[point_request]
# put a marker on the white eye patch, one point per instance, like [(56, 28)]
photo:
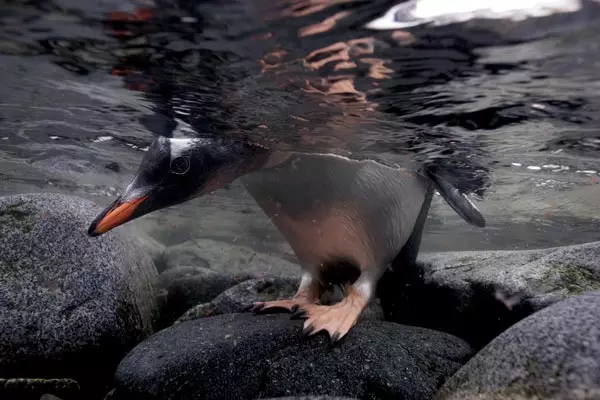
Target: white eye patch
[(179, 146)]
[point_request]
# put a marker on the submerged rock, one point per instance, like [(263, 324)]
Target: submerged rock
[(184, 287), (552, 354), (238, 297), (225, 257), (477, 295), (70, 306), (150, 245), (243, 356)]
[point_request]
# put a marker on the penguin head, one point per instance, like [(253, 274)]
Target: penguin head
[(175, 170)]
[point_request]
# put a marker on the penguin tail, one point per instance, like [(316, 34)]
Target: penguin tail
[(459, 201)]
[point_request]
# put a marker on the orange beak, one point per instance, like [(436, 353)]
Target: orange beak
[(114, 215)]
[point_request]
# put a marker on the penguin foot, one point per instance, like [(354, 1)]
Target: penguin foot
[(289, 305), (336, 320)]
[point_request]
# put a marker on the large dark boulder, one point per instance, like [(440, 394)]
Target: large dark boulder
[(552, 354), (71, 306), (477, 295), (243, 356)]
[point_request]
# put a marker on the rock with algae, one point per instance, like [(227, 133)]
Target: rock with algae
[(477, 295), (553, 354)]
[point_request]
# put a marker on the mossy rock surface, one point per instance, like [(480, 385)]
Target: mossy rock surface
[(477, 295)]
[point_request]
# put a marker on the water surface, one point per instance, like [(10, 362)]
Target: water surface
[(86, 86)]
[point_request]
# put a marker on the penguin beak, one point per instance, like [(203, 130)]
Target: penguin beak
[(118, 213)]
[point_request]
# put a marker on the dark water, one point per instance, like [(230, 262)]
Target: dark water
[(85, 86)]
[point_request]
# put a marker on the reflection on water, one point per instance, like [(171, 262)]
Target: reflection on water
[(86, 87)]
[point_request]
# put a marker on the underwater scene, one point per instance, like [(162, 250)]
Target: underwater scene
[(299, 199)]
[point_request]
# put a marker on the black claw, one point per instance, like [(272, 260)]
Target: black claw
[(335, 338), (298, 314), (294, 308), (255, 307), (307, 330), (247, 308)]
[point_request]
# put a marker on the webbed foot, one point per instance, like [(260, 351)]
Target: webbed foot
[(337, 319)]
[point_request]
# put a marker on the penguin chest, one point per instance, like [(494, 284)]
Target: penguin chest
[(331, 209), (324, 234)]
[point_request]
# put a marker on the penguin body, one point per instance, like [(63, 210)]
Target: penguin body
[(331, 208), (345, 219)]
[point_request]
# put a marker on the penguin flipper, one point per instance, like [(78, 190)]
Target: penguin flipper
[(457, 200)]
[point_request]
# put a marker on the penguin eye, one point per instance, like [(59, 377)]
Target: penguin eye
[(180, 165)]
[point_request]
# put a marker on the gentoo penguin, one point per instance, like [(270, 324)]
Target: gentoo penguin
[(345, 219)]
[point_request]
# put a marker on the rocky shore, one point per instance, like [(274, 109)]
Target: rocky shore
[(124, 317)]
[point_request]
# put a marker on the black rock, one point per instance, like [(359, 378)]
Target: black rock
[(184, 287), (113, 166), (552, 354), (39, 389), (477, 295), (71, 306), (237, 298), (245, 356), (311, 398)]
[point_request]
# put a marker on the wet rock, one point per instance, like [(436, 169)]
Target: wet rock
[(48, 396), (181, 288), (113, 166), (34, 389), (226, 257), (243, 356), (238, 297), (552, 354), (70, 306), (311, 398), (478, 295)]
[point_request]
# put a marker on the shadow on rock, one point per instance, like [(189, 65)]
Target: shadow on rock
[(552, 354), (472, 313), (478, 295)]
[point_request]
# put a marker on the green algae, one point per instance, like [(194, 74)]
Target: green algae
[(15, 216), (576, 279)]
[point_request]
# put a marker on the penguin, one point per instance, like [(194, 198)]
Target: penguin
[(345, 219)]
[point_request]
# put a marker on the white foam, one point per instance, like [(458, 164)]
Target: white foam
[(443, 12), (102, 139)]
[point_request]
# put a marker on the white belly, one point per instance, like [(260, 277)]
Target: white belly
[(330, 207)]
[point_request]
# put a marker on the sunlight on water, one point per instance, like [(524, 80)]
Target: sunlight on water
[(190, 161)]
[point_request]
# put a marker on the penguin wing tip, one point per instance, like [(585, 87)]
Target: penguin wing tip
[(478, 221), (460, 202)]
